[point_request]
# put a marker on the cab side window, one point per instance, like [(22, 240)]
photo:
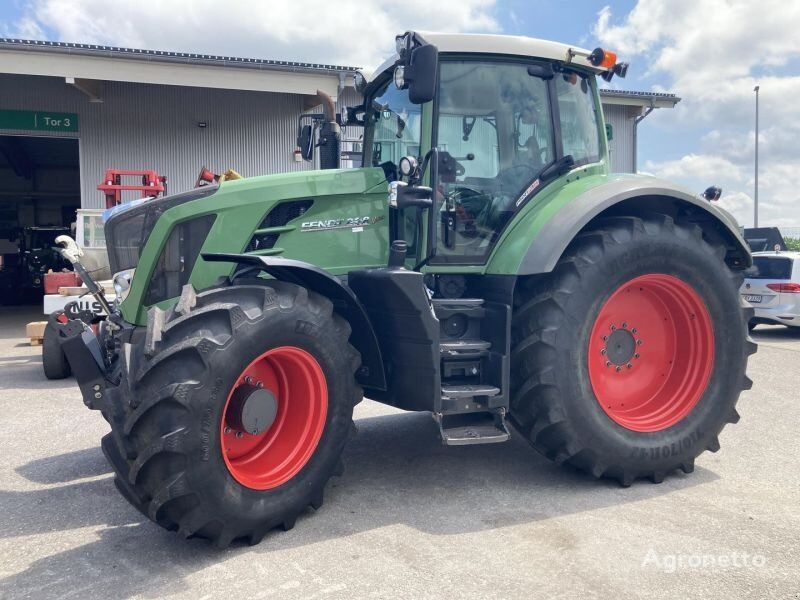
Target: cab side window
[(578, 118)]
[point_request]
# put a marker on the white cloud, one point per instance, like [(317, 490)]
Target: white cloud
[(779, 197), (713, 52), (349, 32), (697, 167)]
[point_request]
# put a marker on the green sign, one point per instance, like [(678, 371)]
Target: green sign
[(38, 120)]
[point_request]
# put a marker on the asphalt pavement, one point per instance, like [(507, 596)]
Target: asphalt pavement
[(411, 518)]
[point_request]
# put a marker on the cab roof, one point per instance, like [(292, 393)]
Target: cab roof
[(483, 43)]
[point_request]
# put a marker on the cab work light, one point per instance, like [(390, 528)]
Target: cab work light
[(601, 59), (605, 59)]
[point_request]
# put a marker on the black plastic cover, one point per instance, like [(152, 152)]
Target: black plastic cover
[(177, 259), (127, 231)]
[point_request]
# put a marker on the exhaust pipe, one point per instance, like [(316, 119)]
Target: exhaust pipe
[(330, 134)]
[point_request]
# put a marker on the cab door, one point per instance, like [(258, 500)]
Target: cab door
[(493, 130)]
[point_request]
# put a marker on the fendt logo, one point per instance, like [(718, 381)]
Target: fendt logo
[(356, 223)]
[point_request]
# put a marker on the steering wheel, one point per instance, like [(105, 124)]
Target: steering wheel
[(521, 172)]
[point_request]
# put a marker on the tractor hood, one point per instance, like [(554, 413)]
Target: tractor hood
[(334, 219), (313, 183)]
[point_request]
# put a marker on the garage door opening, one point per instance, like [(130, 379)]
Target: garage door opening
[(39, 194)]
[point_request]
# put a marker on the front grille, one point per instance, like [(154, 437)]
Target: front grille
[(279, 216)]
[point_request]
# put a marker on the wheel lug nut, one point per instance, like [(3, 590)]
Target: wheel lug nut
[(618, 369), (227, 429), (239, 434), (638, 342), (248, 380), (605, 338), (630, 366), (613, 328), (608, 363), (624, 325), (603, 351), (633, 330), (636, 355), (260, 384)]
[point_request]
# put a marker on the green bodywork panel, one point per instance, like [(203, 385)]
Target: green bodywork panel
[(535, 215), (241, 205)]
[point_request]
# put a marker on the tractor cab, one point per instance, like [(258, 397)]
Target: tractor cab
[(486, 130)]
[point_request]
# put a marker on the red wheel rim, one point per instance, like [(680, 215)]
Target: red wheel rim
[(651, 352), (271, 457)]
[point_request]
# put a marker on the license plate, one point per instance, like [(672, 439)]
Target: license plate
[(755, 299)]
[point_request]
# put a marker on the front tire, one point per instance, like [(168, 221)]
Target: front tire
[(237, 413), (628, 359), (54, 361)]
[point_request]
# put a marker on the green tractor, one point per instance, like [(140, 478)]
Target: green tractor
[(482, 265)]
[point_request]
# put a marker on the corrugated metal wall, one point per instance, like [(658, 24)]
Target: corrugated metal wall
[(141, 126), (621, 147), (155, 127)]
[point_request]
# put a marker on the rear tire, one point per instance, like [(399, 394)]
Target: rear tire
[(557, 385), (54, 361), (170, 442)]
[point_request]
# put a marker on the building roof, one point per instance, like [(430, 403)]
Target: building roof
[(111, 63), (168, 56), (633, 98)]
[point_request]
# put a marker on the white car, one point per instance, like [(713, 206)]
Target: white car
[(772, 287)]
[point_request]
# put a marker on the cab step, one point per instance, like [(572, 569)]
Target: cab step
[(471, 398), (473, 428), (462, 348), (454, 392), (445, 308)]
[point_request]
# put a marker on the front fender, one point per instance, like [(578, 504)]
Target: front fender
[(540, 237), (345, 302)]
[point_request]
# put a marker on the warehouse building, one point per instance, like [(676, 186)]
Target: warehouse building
[(69, 111)]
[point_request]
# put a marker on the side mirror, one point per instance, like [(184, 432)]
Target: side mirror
[(420, 74), (305, 141)]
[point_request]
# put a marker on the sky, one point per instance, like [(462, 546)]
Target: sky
[(711, 53)]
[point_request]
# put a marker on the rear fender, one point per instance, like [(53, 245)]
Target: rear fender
[(345, 302), (629, 195)]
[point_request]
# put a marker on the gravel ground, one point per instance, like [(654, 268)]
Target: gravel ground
[(411, 518)]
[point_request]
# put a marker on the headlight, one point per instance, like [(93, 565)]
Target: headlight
[(408, 166), (394, 191), (122, 283), (399, 77), (359, 82), (402, 42)]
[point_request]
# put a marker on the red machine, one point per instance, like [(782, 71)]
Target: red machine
[(152, 184)]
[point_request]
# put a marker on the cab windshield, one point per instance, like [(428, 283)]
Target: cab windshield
[(392, 126), (494, 126)]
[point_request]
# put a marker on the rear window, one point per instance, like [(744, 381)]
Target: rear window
[(765, 267)]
